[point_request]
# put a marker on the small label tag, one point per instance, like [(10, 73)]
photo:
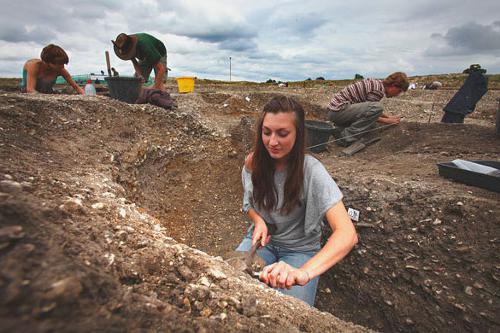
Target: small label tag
[(354, 214)]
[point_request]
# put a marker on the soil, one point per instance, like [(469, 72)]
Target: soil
[(118, 217)]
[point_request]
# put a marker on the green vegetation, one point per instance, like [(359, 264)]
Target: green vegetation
[(10, 84)]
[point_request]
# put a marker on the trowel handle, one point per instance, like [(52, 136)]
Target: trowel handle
[(108, 64)]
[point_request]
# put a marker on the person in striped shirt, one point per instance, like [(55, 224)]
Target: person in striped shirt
[(357, 108)]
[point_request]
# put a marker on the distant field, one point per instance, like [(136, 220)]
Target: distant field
[(450, 81)]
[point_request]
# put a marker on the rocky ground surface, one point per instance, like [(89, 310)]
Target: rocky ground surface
[(119, 217)]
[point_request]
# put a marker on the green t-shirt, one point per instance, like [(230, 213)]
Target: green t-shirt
[(149, 49)]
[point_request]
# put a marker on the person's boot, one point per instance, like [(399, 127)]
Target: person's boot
[(337, 132), (340, 140)]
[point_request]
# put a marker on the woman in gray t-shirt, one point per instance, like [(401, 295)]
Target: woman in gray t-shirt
[(287, 195)]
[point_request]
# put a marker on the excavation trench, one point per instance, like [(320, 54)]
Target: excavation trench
[(426, 257), (100, 183)]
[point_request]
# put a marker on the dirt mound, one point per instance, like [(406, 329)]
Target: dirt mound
[(95, 190)]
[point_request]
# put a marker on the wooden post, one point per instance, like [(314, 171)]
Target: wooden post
[(108, 64)]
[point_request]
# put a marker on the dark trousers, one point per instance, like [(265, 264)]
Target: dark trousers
[(453, 118), (356, 119)]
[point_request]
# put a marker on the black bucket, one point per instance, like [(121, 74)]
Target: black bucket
[(123, 88), (317, 133)]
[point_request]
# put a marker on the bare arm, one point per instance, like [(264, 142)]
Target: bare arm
[(387, 119), (339, 244), (31, 75), (65, 74), (260, 231), (137, 68), (159, 73)]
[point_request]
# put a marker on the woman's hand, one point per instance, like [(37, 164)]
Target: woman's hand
[(260, 233), (282, 275)]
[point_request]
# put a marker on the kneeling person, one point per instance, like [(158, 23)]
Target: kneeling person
[(356, 108), (287, 195), (39, 75)]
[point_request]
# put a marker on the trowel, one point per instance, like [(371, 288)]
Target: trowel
[(248, 262)]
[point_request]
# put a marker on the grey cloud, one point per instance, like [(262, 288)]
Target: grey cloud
[(93, 10), (178, 19), (41, 21), (238, 45), (301, 24), (426, 11), (290, 21), (470, 38), (286, 40), (17, 34), (263, 55), (424, 14), (12, 58), (217, 35), (475, 37)]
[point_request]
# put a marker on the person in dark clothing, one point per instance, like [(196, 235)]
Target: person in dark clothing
[(156, 97), (466, 98)]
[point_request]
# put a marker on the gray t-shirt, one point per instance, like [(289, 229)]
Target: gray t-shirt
[(299, 230)]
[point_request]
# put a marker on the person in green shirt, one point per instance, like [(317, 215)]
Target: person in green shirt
[(146, 53)]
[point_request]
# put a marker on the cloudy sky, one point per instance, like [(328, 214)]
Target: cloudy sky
[(283, 40)]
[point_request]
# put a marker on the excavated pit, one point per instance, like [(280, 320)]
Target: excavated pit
[(426, 261)]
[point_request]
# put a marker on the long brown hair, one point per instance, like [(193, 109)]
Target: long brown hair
[(263, 165)]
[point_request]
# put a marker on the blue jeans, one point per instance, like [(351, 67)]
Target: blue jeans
[(271, 254)]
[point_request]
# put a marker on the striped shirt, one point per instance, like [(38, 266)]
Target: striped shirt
[(367, 90)]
